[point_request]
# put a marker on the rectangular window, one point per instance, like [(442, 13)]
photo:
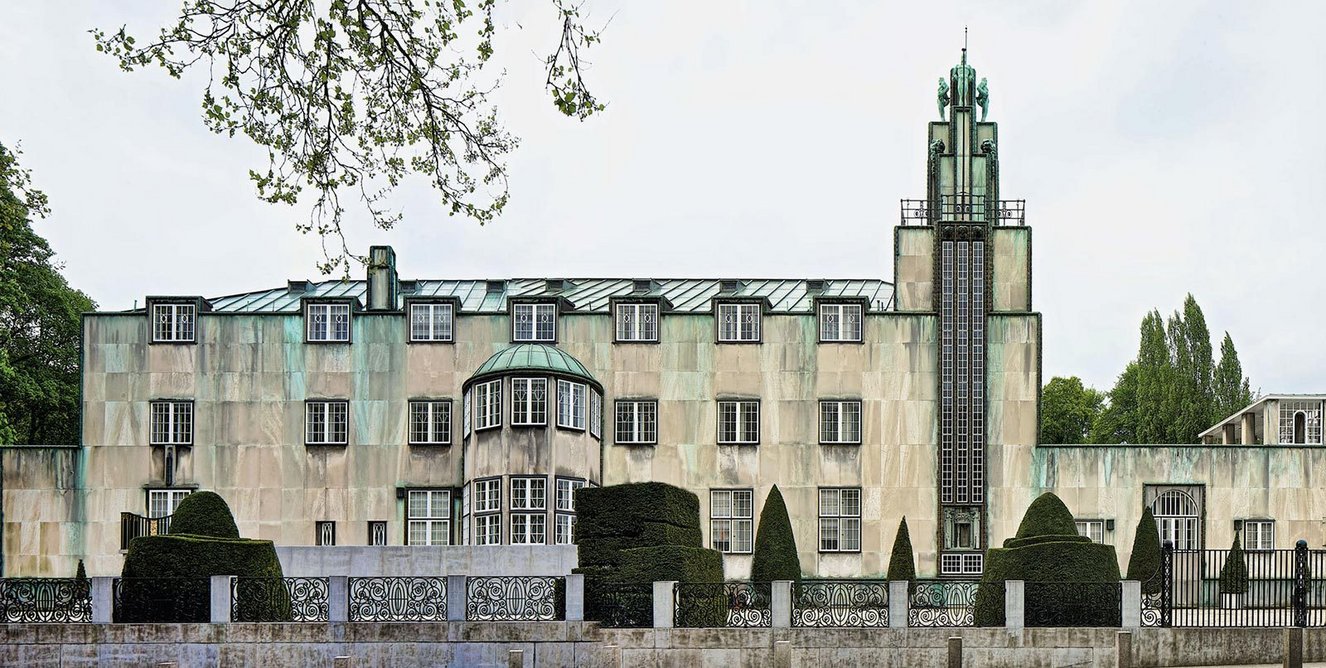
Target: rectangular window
[(840, 422), (1259, 534), (488, 404), (637, 421), (173, 323), (172, 423), (529, 401), (637, 322), (377, 533), (488, 511), (430, 322), (739, 421), (328, 321), (534, 322), (570, 405), (566, 507), (840, 519), (430, 422), (529, 493), (596, 415), (1093, 529), (324, 533), (840, 322), (738, 323), (163, 502), (326, 422), (731, 520), (566, 529), (528, 528), (428, 517), (466, 408)]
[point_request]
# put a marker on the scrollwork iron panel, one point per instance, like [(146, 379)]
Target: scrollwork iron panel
[(515, 599), (45, 600), (848, 603), (722, 604), (278, 599), (398, 599), (942, 603), (1152, 609)]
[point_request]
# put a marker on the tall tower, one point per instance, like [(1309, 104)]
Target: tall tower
[(977, 264)]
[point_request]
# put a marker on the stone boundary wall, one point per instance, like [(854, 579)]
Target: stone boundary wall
[(584, 644)]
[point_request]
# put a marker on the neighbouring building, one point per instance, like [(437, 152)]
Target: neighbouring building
[(394, 411)]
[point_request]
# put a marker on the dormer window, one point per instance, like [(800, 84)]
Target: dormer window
[(637, 322), (431, 322), (173, 323), (534, 322), (327, 322), (739, 322), (840, 322)]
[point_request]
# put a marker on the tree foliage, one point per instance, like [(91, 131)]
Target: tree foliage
[(40, 322), (1174, 390), (1234, 573), (353, 96), (902, 564), (1144, 561), (775, 555), (1068, 410)]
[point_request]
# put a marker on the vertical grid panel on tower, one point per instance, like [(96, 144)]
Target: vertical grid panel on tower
[(946, 375), (962, 446), (978, 373)]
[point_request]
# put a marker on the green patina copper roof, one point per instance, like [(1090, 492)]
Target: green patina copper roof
[(533, 357)]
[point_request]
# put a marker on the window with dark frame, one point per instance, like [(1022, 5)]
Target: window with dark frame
[(1258, 534), (840, 519), (565, 510), (840, 322), (529, 505), (738, 322), (428, 517), (637, 421), (738, 421), (570, 404), (173, 323), (595, 414), (430, 422), (324, 534), (529, 402), (1093, 529), (731, 520), (840, 421), (326, 422), (637, 322), (431, 321), (163, 502), (377, 532), (488, 511), (327, 321), (172, 423), (488, 404), (533, 322)]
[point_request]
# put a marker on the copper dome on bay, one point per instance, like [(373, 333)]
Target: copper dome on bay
[(537, 358)]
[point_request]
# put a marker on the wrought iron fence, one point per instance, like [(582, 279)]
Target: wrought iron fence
[(398, 599), (722, 604), (133, 525), (162, 600), (258, 599), (1004, 212), (1092, 604), (1269, 588), (840, 603), (515, 599), (942, 603), (60, 600), (620, 605)]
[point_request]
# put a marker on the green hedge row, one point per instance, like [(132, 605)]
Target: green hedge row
[(625, 510), (166, 577)]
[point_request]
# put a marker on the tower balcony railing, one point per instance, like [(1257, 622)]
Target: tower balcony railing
[(133, 525), (960, 207)]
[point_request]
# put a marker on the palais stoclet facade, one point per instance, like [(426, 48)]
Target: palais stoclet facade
[(423, 412)]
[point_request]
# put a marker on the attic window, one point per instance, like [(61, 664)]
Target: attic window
[(642, 285), (729, 285), (496, 286), (407, 287), (534, 322), (297, 287), (815, 285), (557, 285)]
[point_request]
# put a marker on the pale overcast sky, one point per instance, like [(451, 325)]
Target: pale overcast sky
[(1162, 148)]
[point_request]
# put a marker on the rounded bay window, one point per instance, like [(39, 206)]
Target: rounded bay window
[(533, 425)]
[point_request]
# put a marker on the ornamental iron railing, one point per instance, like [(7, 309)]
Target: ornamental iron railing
[(260, 599), (620, 605), (398, 599), (133, 525), (45, 600), (1250, 588), (162, 600), (1072, 604), (840, 603), (941, 603), (963, 208), (515, 599), (722, 604)]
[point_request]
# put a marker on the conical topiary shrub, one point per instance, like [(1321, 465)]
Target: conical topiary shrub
[(203, 514), (1234, 574), (902, 565), (775, 556), (1145, 560)]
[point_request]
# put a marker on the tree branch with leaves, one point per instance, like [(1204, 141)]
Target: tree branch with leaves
[(351, 97)]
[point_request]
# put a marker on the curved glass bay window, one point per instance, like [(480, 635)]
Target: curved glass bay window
[(522, 464)]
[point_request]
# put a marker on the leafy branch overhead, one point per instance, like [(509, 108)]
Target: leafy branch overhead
[(352, 96)]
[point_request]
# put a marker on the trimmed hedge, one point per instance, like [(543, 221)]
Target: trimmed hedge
[(1234, 574), (204, 514), (1058, 555), (775, 556), (151, 594), (607, 551), (1145, 560), (625, 510), (902, 566)]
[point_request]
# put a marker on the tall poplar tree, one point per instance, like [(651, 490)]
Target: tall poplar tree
[(1155, 382), (1229, 385), (1117, 423)]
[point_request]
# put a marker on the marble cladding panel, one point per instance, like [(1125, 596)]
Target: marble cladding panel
[(1011, 287)]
